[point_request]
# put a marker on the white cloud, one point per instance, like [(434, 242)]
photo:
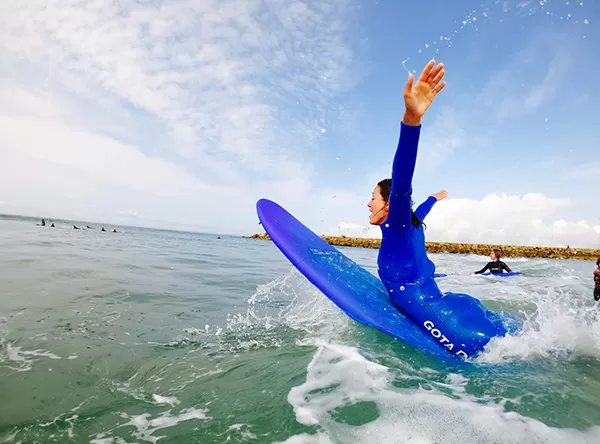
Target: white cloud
[(62, 171), (169, 113), (498, 219), (216, 74)]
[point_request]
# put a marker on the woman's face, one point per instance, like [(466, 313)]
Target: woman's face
[(378, 208)]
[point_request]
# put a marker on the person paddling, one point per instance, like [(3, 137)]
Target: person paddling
[(495, 265), (597, 281)]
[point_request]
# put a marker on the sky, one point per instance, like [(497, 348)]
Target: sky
[(181, 114)]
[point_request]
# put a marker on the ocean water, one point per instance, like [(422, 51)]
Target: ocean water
[(157, 336)]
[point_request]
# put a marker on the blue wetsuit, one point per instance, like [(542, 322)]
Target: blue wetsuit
[(458, 322)]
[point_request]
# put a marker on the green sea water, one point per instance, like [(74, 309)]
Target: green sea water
[(157, 336)]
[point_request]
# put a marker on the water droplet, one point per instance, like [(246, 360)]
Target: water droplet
[(402, 288), (387, 225), (586, 21), (542, 3), (426, 45)]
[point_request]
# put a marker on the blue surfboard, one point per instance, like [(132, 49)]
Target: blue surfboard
[(356, 291), (508, 274)]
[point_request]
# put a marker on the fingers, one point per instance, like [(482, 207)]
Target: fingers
[(434, 74), (439, 76), (409, 84), (426, 71), (438, 88)]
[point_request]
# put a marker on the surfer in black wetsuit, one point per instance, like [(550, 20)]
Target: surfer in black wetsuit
[(496, 265), (597, 281)]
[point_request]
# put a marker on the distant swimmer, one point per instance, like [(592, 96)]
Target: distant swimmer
[(114, 230), (88, 227), (496, 265), (103, 229), (597, 281), (52, 225), (43, 222), (75, 227)]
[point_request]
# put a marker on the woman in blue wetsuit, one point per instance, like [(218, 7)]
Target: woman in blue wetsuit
[(458, 322)]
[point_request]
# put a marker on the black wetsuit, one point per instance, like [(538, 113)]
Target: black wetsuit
[(597, 284), (495, 267)]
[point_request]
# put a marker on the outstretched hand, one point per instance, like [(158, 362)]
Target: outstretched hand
[(419, 97), (440, 195)]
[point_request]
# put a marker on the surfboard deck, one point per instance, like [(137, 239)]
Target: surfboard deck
[(508, 274), (356, 291)]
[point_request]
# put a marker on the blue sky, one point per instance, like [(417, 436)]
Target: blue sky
[(182, 114)]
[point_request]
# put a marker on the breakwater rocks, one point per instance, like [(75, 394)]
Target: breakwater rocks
[(480, 249)]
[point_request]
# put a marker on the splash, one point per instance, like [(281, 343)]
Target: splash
[(351, 399), (498, 11)]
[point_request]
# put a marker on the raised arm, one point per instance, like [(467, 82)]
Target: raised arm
[(403, 169), (417, 100)]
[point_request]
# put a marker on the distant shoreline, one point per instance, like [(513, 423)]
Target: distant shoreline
[(585, 254)]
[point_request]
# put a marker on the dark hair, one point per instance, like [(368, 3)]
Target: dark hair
[(497, 252), (384, 188), (598, 262)]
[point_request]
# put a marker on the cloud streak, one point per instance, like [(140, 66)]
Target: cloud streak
[(178, 112), (217, 74)]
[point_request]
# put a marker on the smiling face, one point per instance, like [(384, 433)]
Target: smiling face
[(378, 207)]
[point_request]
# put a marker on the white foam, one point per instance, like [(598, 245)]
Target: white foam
[(146, 427), (21, 360), (305, 438), (339, 376), (171, 400), (289, 300), (561, 326)]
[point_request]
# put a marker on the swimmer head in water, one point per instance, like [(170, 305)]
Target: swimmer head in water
[(379, 204)]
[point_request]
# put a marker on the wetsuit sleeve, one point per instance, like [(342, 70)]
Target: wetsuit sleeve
[(484, 269), (506, 267), (423, 210), (403, 168)]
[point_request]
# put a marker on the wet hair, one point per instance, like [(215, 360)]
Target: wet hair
[(598, 262), (384, 188), (497, 253)]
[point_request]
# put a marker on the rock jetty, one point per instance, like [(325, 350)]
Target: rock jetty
[(479, 249)]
